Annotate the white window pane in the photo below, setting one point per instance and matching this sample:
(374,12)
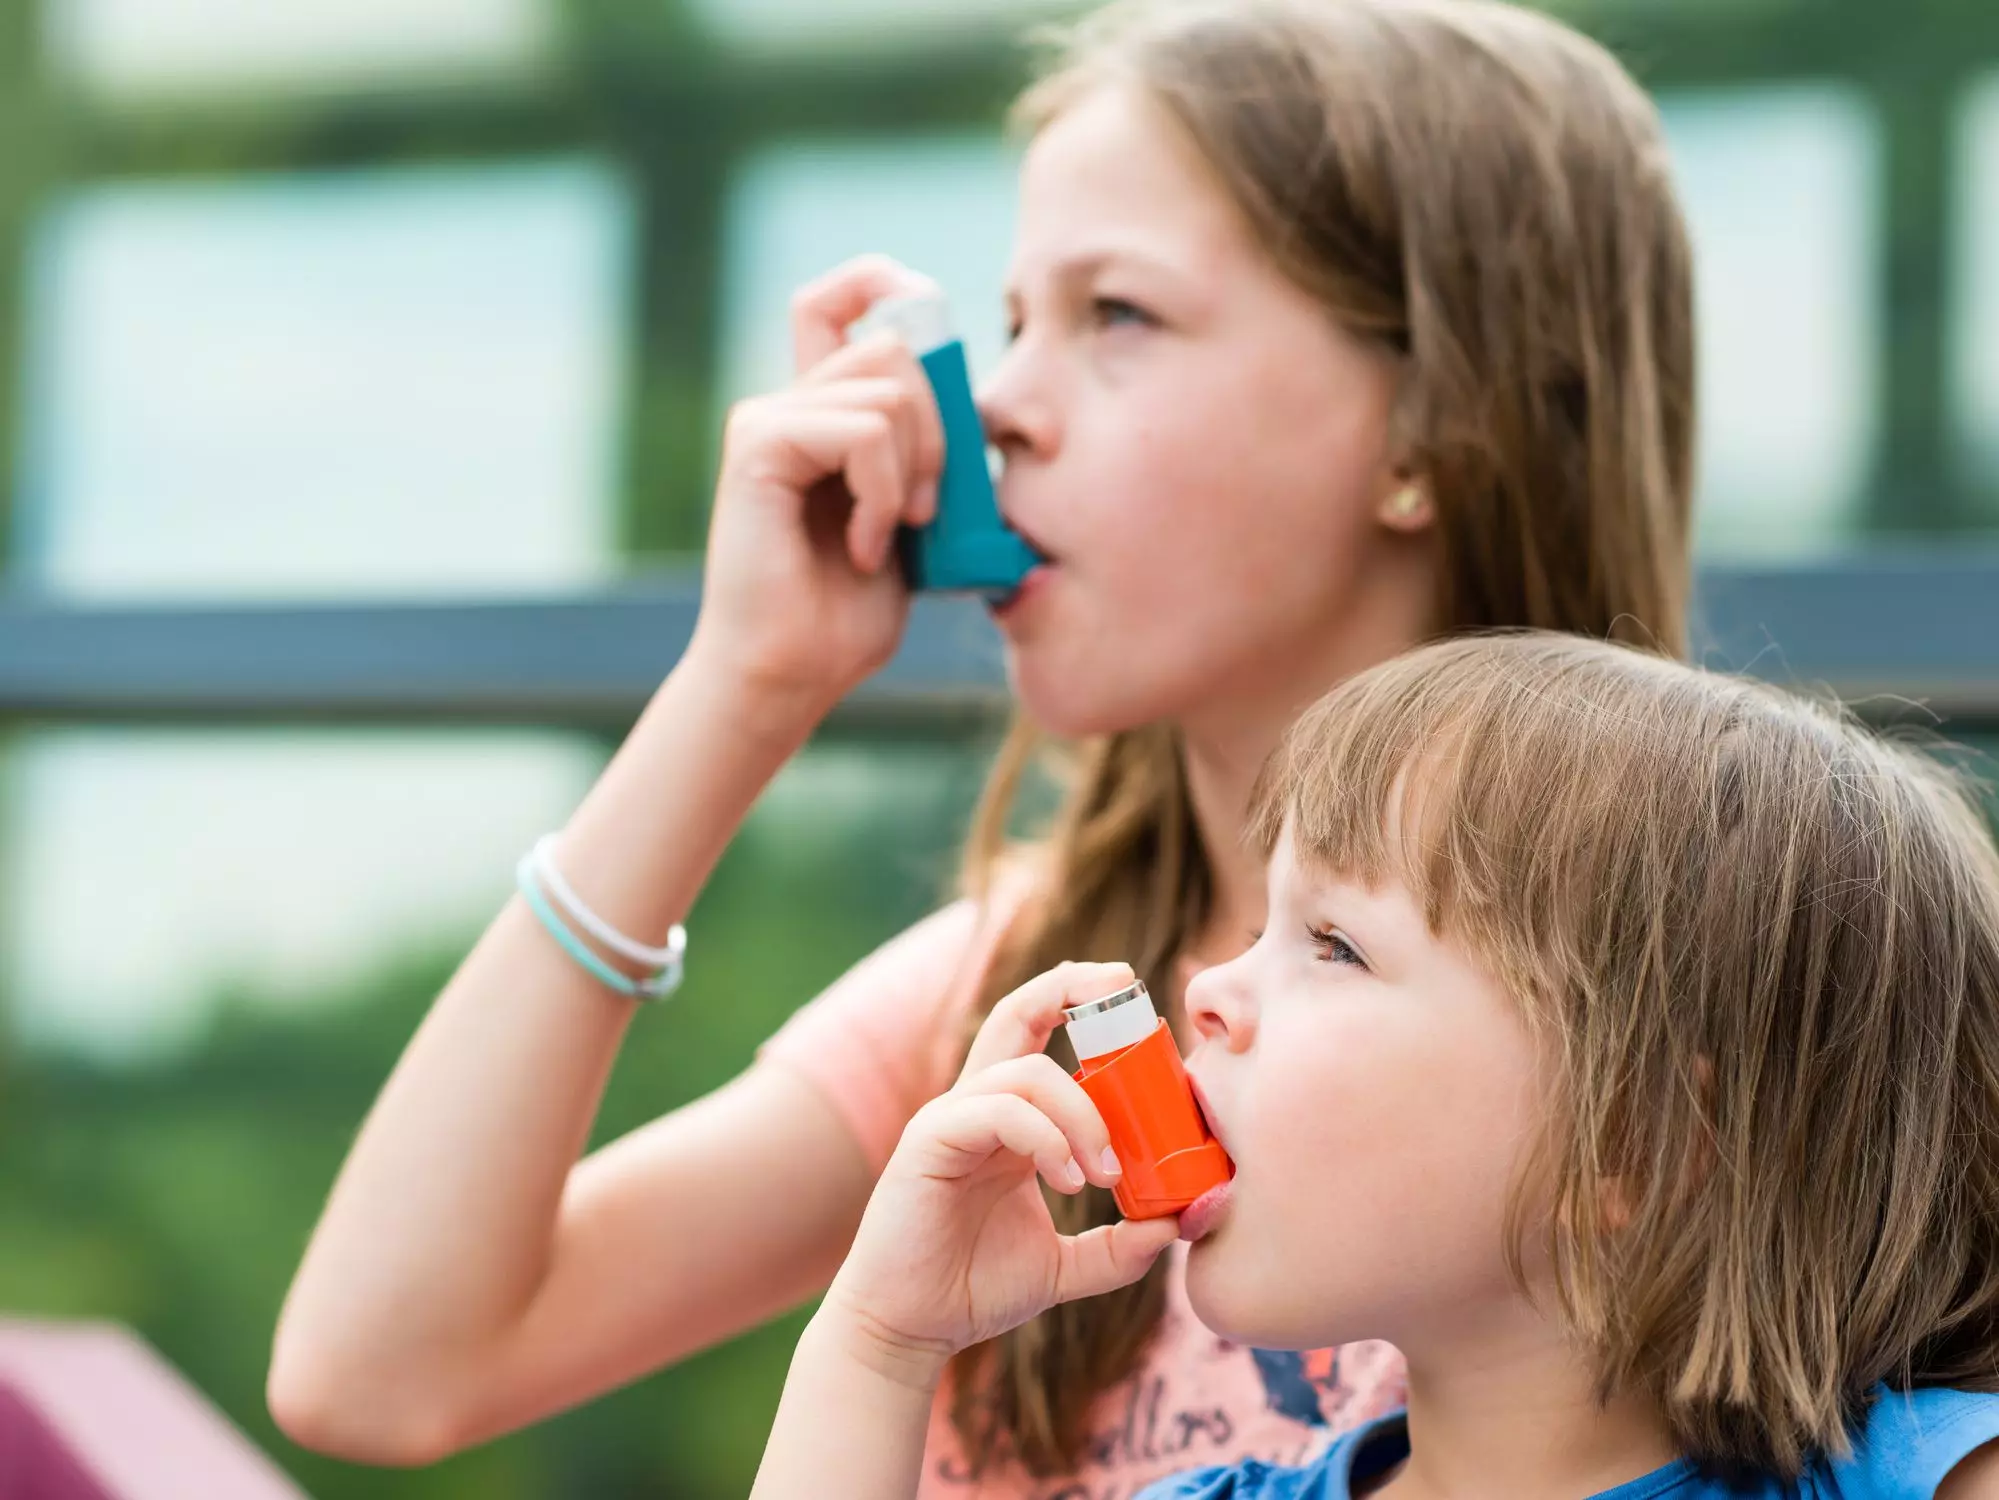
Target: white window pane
(377,382)
(1975,315)
(148,873)
(1782,190)
(799,25)
(945,207)
(147,49)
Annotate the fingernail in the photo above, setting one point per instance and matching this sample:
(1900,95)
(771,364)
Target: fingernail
(1111,1167)
(926,499)
(1075,1173)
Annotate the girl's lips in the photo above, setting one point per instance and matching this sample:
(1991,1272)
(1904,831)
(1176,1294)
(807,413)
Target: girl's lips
(1032,584)
(1199,1218)
(1012,524)
(1207,1111)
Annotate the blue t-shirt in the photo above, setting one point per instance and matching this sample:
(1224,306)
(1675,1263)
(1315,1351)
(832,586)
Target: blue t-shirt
(1911,1440)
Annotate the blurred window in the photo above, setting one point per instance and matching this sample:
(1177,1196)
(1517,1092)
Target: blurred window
(1974,316)
(133,50)
(336,385)
(944,206)
(810,25)
(1783,195)
(152,874)
(376,381)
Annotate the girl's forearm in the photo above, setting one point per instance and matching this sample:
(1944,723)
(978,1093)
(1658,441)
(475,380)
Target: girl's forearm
(853,1418)
(445,1223)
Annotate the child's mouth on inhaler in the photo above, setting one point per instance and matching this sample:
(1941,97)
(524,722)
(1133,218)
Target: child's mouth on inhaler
(1003,605)
(1199,1218)
(1130,1067)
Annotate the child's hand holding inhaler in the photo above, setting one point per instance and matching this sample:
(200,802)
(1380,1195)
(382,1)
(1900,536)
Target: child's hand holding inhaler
(957,1245)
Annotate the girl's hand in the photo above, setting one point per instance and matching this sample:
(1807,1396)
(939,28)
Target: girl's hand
(801,595)
(957,1245)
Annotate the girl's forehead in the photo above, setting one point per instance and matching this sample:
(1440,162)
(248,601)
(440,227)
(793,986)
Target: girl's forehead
(1296,876)
(1114,166)
(1382,831)
(1115,133)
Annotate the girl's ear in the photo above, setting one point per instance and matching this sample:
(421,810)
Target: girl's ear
(1408,508)
(1700,1150)
(1619,1204)
(1620,1194)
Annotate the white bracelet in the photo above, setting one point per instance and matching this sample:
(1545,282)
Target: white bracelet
(668,963)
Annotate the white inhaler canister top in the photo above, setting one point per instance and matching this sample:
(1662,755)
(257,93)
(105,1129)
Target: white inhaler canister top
(1112,1023)
(920,320)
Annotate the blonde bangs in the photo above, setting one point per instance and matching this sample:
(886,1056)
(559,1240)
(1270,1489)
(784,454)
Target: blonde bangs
(1376,785)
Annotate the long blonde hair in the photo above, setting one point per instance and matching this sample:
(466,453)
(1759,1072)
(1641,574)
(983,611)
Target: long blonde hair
(1761,947)
(1486,194)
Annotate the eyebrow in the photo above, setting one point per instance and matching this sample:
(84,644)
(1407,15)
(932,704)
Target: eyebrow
(1356,916)
(1086,263)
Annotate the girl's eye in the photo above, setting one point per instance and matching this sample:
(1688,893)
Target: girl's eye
(1113,312)
(1333,948)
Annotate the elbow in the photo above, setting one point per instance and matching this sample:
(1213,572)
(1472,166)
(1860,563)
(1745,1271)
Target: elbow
(354,1418)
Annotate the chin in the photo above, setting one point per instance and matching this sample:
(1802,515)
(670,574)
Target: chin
(1223,1297)
(1239,1319)
(1072,704)
(1258,1306)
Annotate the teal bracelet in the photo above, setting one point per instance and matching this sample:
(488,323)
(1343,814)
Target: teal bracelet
(570,943)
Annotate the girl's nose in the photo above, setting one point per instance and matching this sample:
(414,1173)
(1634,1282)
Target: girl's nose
(1016,405)
(1221,1004)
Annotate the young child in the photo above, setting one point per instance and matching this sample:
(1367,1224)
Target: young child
(1623,1045)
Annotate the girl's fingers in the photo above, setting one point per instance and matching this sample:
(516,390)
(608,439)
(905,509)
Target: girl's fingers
(822,309)
(877,481)
(885,377)
(1021,1024)
(798,439)
(1110,1256)
(972,1128)
(884,367)
(1039,1080)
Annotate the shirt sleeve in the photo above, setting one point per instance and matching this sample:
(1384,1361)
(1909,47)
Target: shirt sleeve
(1197,1484)
(1913,1439)
(1252,1479)
(889,1035)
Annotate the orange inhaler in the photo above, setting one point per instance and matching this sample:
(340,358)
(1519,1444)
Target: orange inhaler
(1131,1069)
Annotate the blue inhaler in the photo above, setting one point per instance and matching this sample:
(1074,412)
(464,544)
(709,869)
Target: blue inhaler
(967,548)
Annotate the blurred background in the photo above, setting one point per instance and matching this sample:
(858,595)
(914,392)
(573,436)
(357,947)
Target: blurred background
(369,304)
